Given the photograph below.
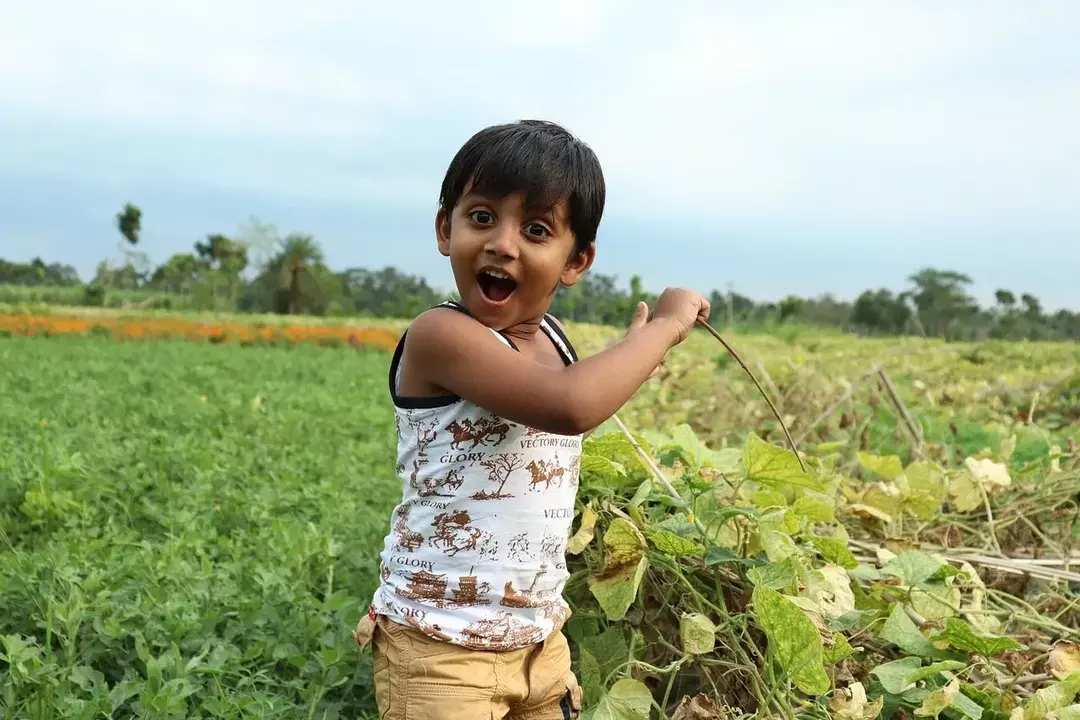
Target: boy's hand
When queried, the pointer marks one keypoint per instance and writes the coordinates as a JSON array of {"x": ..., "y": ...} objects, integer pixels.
[{"x": 682, "y": 308}]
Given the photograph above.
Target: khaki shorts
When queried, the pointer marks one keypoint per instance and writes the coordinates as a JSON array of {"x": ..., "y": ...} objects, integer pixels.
[{"x": 420, "y": 678}]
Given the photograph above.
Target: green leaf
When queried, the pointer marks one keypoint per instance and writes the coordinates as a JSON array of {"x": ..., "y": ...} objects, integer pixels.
[
  {"x": 599, "y": 468},
  {"x": 769, "y": 498},
  {"x": 585, "y": 534},
  {"x": 936, "y": 600},
  {"x": 793, "y": 639},
  {"x": 913, "y": 567},
  {"x": 778, "y": 576},
  {"x": 772, "y": 465},
  {"x": 727, "y": 460},
  {"x": 968, "y": 707},
  {"x": 901, "y": 631},
  {"x": 592, "y": 680},
  {"x": 626, "y": 700},
  {"x": 671, "y": 544},
  {"x": 927, "y": 489},
  {"x": 938, "y": 700},
  {"x": 900, "y": 675},
  {"x": 834, "y": 550},
  {"x": 894, "y": 676},
  {"x": 839, "y": 651},
  {"x": 1050, "y": 699},
  {"x": 685, "y": 437},
  {"x": 889, "y": 467},
  {"x": 608, "y": 650},
  {"x": 643, "y": 491},
  {"x": 939, "y": 667},
  {"x": 966, "y": 493},
  {"x": 87, "y": 677},
  {"x": 616, "y": 586},
  {"x": 778, "y": 545},
  {"x": 959, "y": 635},
  {"x": 816, "y": 507},
  {"x": 724, "y": 556},
  {"x": 617, "y": 448},
  {"x": 854, "y": 619},
  {"x": 698, "y": 633},
  {"x": 1067, "y": 713}
]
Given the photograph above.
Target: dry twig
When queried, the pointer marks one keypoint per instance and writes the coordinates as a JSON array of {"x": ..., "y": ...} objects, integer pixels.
[
  {"x": 761, "y": 390},
  {"x": 912, "y": 428}
]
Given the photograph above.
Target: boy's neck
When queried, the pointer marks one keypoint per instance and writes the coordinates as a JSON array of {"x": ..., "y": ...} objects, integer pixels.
[{"x": 524, "y": 330}]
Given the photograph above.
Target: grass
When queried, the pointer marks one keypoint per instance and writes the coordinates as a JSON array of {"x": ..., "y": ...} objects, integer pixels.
[{"x": 189, "y": 528}]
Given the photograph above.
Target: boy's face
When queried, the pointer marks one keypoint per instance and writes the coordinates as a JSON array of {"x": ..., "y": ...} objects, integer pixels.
[{"x": 508, "y": 262}]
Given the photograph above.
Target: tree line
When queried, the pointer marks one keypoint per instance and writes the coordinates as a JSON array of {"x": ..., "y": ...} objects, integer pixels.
[{"x": 257, "y": 270}]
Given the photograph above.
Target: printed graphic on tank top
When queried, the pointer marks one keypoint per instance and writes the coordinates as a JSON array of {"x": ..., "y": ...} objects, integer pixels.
[{"x": 476, "y": 551}]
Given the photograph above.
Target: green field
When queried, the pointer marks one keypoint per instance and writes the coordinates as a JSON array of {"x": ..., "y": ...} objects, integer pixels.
[
  {"x": 192, "y": 530},
  {"x": 188, "y": 530}
]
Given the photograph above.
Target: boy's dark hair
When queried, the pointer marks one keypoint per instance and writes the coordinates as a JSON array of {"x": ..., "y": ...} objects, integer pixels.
[{"x": 539, "y": 158}]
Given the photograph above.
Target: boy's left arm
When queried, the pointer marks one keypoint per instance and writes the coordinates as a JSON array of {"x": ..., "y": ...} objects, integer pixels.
[{"x": 562, "y": 328}]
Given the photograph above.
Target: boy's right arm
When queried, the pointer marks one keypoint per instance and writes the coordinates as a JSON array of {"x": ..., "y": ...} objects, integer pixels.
[{"x": 463, "y": 357}]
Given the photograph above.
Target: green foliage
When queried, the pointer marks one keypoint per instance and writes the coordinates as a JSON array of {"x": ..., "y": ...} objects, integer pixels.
[
  {"x": 289, "y": 275},
  {"x": 129, "y": 223},
  {"x": 751, "y": 569},
  {"x": 193, "y": 530},
  {"x": 188, "y": 530}
]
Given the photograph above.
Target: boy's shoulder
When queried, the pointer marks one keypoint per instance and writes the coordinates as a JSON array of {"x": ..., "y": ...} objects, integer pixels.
[
  {"x": 445, "y": 318},
  {"x": 444, "y": 333}
]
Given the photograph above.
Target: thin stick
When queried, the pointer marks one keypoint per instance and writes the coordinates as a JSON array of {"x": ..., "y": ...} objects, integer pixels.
[
  {"x": 1010, "y": 565},
  {"x": 900, "y": 407},
  {"x": 839, "y": 401},
  {"x": 761, "y": 390},
  {"x": 645, "y": 457}
]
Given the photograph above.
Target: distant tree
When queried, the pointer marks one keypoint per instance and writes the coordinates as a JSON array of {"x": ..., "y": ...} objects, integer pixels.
[
  {"x": 294, "y": 280},
  {"x": 941, "y": 299},
  {"x": 790, "y": 307},
  {"x": 135, "y": 266},
  {"x": 225, "y": 259},
  {"x": 880, "y": 312},
  {"x": 1032, "y": 306},
  {"x": 1005, "y": 299},
  {"x": 179, "y": 274},
  {"x": 129, "y": 222}
]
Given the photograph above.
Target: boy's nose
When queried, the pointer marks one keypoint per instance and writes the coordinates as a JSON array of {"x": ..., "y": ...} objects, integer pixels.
[{"x": 503, "y": 242}]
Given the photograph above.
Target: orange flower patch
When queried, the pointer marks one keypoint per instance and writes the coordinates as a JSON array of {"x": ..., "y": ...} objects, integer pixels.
[{"x": 199, "y": 331}]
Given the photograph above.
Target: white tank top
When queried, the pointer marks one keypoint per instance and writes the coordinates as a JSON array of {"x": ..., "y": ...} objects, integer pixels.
[{"x": 476, "y": 553}]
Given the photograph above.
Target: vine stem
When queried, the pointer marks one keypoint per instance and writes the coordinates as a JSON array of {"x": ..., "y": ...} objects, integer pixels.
[
  {"x": 776, "y": 413},
  {"x": 645, "y": 457}
]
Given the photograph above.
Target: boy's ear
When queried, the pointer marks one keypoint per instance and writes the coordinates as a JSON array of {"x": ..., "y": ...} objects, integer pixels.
[
  {"x": 442, "y": 231},
  {"x": 578, "y": 264}
]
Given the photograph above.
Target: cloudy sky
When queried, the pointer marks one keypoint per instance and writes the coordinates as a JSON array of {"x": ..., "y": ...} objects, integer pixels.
[{"x": 800, "y": 148}]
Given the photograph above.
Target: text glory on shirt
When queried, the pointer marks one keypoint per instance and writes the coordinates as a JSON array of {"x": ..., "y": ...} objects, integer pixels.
[{"x": 476, "y": 550}]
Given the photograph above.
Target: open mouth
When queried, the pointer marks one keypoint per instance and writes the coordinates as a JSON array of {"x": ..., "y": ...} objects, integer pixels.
[{"x": 496, "y": 285}]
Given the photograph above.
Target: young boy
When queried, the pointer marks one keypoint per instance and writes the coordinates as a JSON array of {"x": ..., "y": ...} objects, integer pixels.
[{"x": 491, "y": 405}]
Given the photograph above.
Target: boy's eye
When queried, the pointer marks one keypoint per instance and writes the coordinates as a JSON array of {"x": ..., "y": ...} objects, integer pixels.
[
  {"x": 482, "y": 216},
  {"x": 536, "y": 230}
]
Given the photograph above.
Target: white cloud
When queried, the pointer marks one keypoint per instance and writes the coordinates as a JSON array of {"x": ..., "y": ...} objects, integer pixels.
[
  {"x": 824, "y": 113},
  {"x": 869, "y": 111}
]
